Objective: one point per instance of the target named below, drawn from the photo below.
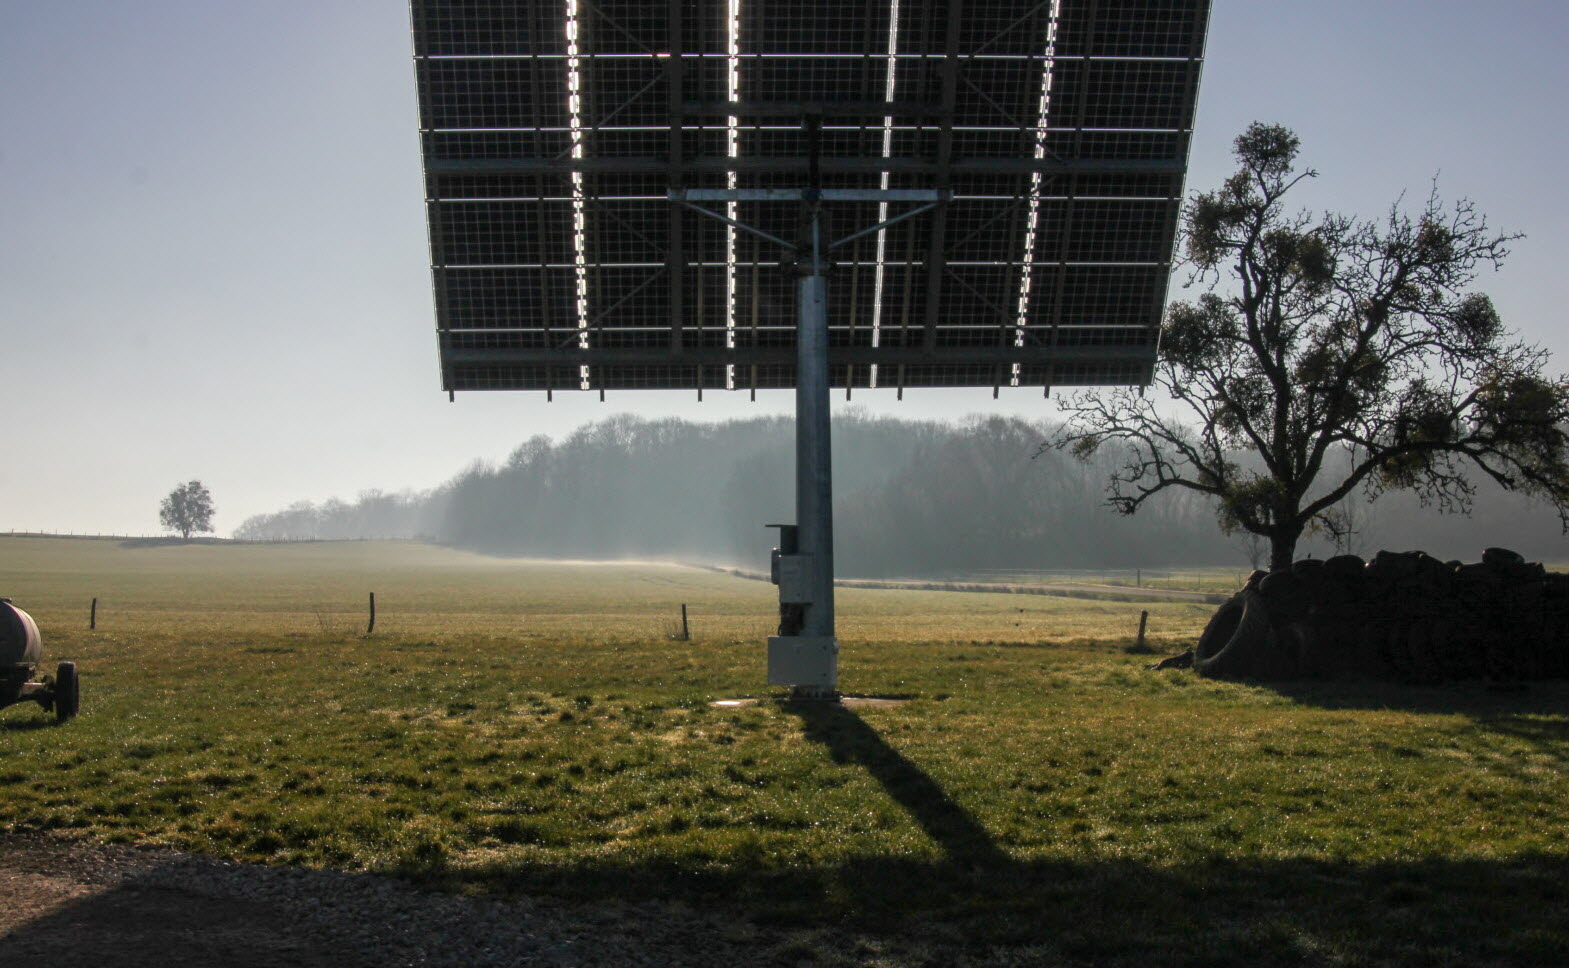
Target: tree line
(1330, 361)
(913, 498)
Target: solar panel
(598, 173)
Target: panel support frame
(804, 656)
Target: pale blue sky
(212, 242)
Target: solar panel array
(553, 131)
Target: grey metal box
(795, 579)
(803, 660)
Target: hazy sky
(213, 260)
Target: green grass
(524, 726)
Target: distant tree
(1253, 545)
(1329, 354)
(188, 509)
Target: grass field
(1039, 799)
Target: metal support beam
(814, 467)
(912, 213)
(690, 196)
(794, 165)
(805, 194)
(476, 347)
(730, 221)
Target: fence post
(92, 616)
(686, 633)
(1144, 618)
(371, 626)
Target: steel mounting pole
(813, 458)
(805, 654)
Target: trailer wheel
(67, 692)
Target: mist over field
(911, 498)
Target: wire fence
(202, 539)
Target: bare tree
(1254, 546)
(1320, 336)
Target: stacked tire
(1400, 616)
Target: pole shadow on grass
(850, 740)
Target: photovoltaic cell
(552, 133)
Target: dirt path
(113, 906)
(120, 907)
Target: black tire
(1221, 627)
(1333, 652)
(1445, 661)
(1297, 652)
(1416, 648)
(1279, 585)
(1557, 655)
(1286, 596)
(1395, 647)
(67, 692)
(1345, 567)
(1502, 557)
(1308, 568)
(1238, 640)
(1372, 657)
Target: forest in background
(912, 498)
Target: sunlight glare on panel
(579, 222)
(880, 275)
(1032, 220)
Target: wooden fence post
(92, 616)
(371, 626)
(686, 632)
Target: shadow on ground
(1254, 914)
(978, 898)
(975, 905)
(1535, 713)
(139, 925)
(874, 910)
(850, 740)
(1482, 701)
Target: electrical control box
(794, 575)
(803, 660)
